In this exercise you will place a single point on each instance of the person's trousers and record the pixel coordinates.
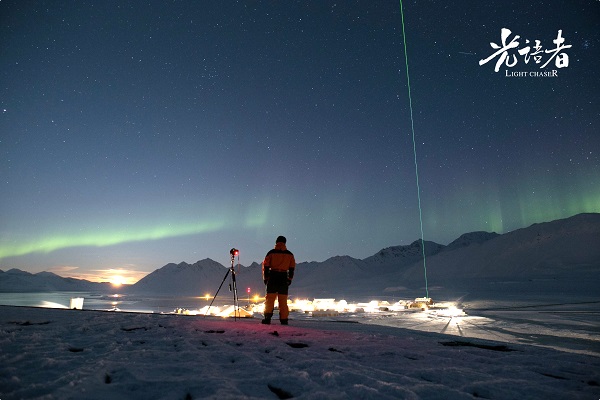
(284, 311)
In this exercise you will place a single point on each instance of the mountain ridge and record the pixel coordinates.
(17, 281)
(554, 251)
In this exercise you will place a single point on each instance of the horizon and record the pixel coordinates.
(119, 278)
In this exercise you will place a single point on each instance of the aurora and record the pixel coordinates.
(49, 244)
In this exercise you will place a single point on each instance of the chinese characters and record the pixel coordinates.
(506, 52)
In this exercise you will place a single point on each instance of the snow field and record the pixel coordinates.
(70, 354)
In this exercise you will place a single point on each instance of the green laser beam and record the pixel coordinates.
(412, 127)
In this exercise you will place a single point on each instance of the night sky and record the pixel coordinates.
(138, 133)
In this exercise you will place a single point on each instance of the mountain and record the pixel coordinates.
(563, 253)
(468, 239)
(392, 260)
(200, 278)
(557, 257)
(560, 256)
(553, 257)
(17, 281)
(315, 279)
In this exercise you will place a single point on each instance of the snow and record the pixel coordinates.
(74, 354)
(516, 317)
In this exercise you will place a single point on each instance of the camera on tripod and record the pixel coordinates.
(232, 286)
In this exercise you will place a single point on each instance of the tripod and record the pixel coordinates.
(232, 286)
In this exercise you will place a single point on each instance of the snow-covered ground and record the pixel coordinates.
(73, 354)
(569, 326)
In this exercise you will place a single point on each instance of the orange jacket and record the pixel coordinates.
(280, 259)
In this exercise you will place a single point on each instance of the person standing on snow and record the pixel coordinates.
(278, 272)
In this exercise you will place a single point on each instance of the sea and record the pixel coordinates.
(117, 301)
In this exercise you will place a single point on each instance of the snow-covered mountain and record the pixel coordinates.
(17, 281)
(202, 277)
(558, 256)
(468, 239)
(562, 254)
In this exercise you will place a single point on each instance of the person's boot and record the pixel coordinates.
(284, 322)
(267, 319)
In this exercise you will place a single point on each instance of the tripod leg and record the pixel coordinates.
(235, 296)
(215, 296)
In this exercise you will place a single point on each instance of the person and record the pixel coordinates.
(278, 271)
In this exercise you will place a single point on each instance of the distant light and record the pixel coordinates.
(117, 280)
(454, 311)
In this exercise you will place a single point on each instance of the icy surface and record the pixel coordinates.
(73, 354)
